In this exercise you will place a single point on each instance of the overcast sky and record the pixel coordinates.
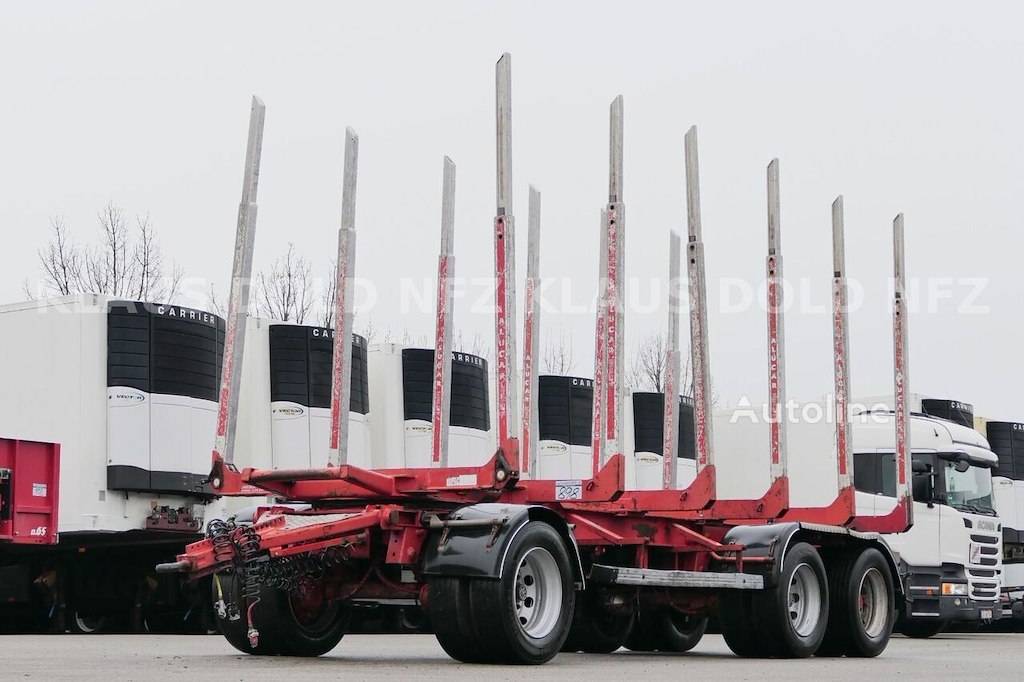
(912, 107)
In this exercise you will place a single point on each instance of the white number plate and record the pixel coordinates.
(986, 614)
(568, 490)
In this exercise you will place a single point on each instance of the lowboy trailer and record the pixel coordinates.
(512, 568)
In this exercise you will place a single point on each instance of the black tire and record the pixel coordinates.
(762, 624)
(737, 617)
(284, 629)
(671, 630)
(594, 628)
(862, 606)
(636, 640)
(536, 559)
(922, 629)
(87, 625)
(451, 617)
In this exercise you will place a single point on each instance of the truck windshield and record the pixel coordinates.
(969, 490)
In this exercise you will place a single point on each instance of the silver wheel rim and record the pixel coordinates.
(538, 593)
(87, 624)
(873, 603)
(804, 597)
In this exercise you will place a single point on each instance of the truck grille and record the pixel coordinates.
(982, 576)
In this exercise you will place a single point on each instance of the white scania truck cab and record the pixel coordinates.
(953, 553)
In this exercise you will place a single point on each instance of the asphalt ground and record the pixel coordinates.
(150, 658)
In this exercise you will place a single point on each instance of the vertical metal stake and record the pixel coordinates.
(776, 341)
(840, 346)
(341, 369)
(531, 341)
(443, 325)
(670, 442)
(238, 300)
(699, 353)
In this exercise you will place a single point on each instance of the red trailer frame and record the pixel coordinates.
(641, 558)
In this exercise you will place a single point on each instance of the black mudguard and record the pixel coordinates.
(768, 540)
(479, 551)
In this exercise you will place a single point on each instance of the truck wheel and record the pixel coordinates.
(862, 611)
(669, 630)
(595, 629)
(452, 620)
(922, 629)
(524, 616)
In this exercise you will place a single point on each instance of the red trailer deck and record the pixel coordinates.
(513, 569)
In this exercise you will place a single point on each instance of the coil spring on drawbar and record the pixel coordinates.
(297, 574)
(219, 533)
(248, 544)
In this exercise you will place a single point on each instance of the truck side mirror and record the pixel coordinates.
(923, 482)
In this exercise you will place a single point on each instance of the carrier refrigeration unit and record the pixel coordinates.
(129, 392)
(284, 418)
(401, 390)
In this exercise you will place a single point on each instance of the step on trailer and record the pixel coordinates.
(512, 568)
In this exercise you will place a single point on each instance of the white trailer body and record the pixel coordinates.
(134, 416)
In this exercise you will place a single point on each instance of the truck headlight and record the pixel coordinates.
(954, 589)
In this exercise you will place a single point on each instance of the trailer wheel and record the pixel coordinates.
(450, 616)
(524, 616)
(670, 630)
(87, 625)
(595, 629)
(288, 625)
(737, 617)
(785, 621)
(862, 611)
(636, 640)
(236, 631)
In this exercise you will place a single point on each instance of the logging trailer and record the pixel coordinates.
(512, 568)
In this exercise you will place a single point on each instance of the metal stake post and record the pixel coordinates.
(615, 318)
(531, 341)
(670, 442)
(504, 260)
(841, 345)
(776, 342)
(443, 327)
(341, 370)
(600, 353)
(700, 357)
(238, 300)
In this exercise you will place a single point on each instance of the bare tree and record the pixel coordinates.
(61, 260)
(126, 262)
(328, 298)
(474, 346)
(648, 369)
(286, 293)
(558, 357)
(368, 330)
